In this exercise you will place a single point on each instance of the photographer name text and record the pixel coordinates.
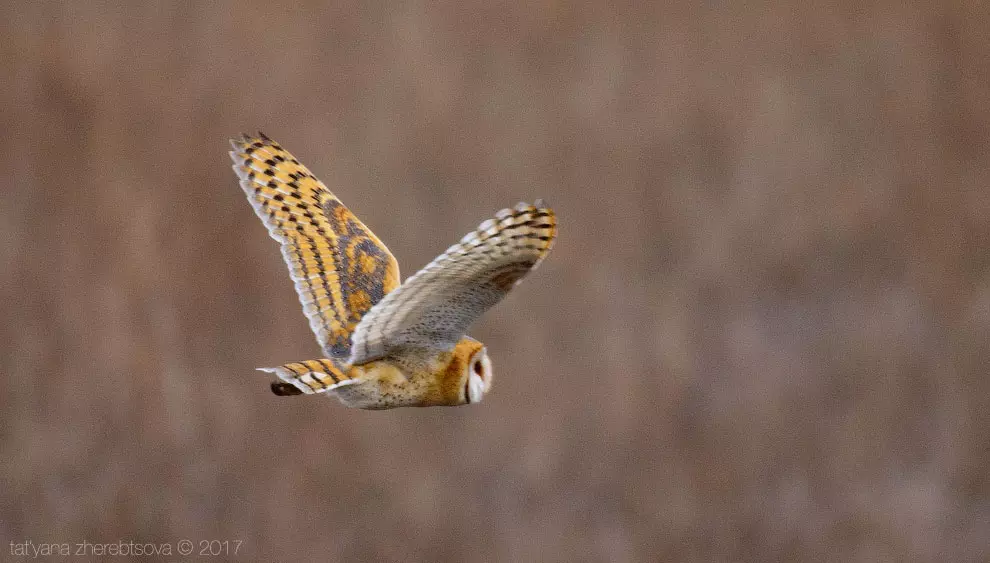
(124, 548)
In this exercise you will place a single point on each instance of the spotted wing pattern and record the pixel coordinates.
(339, 266)
(434, 308)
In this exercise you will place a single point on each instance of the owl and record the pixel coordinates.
(386, 344)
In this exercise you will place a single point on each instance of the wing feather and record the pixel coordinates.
(339, 267)
(435, 307)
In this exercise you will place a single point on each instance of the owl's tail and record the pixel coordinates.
(308, 377)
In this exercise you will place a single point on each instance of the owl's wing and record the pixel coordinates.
(339, 266)
(434, 308)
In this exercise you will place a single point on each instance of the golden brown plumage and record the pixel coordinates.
(388, 345)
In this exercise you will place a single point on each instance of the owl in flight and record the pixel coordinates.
(387, 345)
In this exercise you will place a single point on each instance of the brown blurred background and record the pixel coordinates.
(762, 334)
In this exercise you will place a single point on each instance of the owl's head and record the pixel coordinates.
(469, 375)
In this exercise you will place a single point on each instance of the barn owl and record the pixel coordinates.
(386, 344)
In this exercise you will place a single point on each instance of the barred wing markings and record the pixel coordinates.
(435, 307)
(339, 266)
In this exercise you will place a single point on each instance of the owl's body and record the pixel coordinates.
(437, 381)
(387, 345)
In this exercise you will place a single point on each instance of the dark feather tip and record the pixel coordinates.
(283, 389)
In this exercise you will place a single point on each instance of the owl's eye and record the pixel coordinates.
(478, 369)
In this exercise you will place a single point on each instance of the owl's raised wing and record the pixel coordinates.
(433, 309)
(339, 266)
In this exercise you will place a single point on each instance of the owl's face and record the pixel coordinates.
(467, 376)
(477, 376)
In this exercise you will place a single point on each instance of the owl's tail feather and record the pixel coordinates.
(308, 377)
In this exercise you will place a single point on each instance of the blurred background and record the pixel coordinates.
(762, 334)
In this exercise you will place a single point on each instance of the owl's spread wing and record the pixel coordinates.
(339, 266)
(434, 308)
